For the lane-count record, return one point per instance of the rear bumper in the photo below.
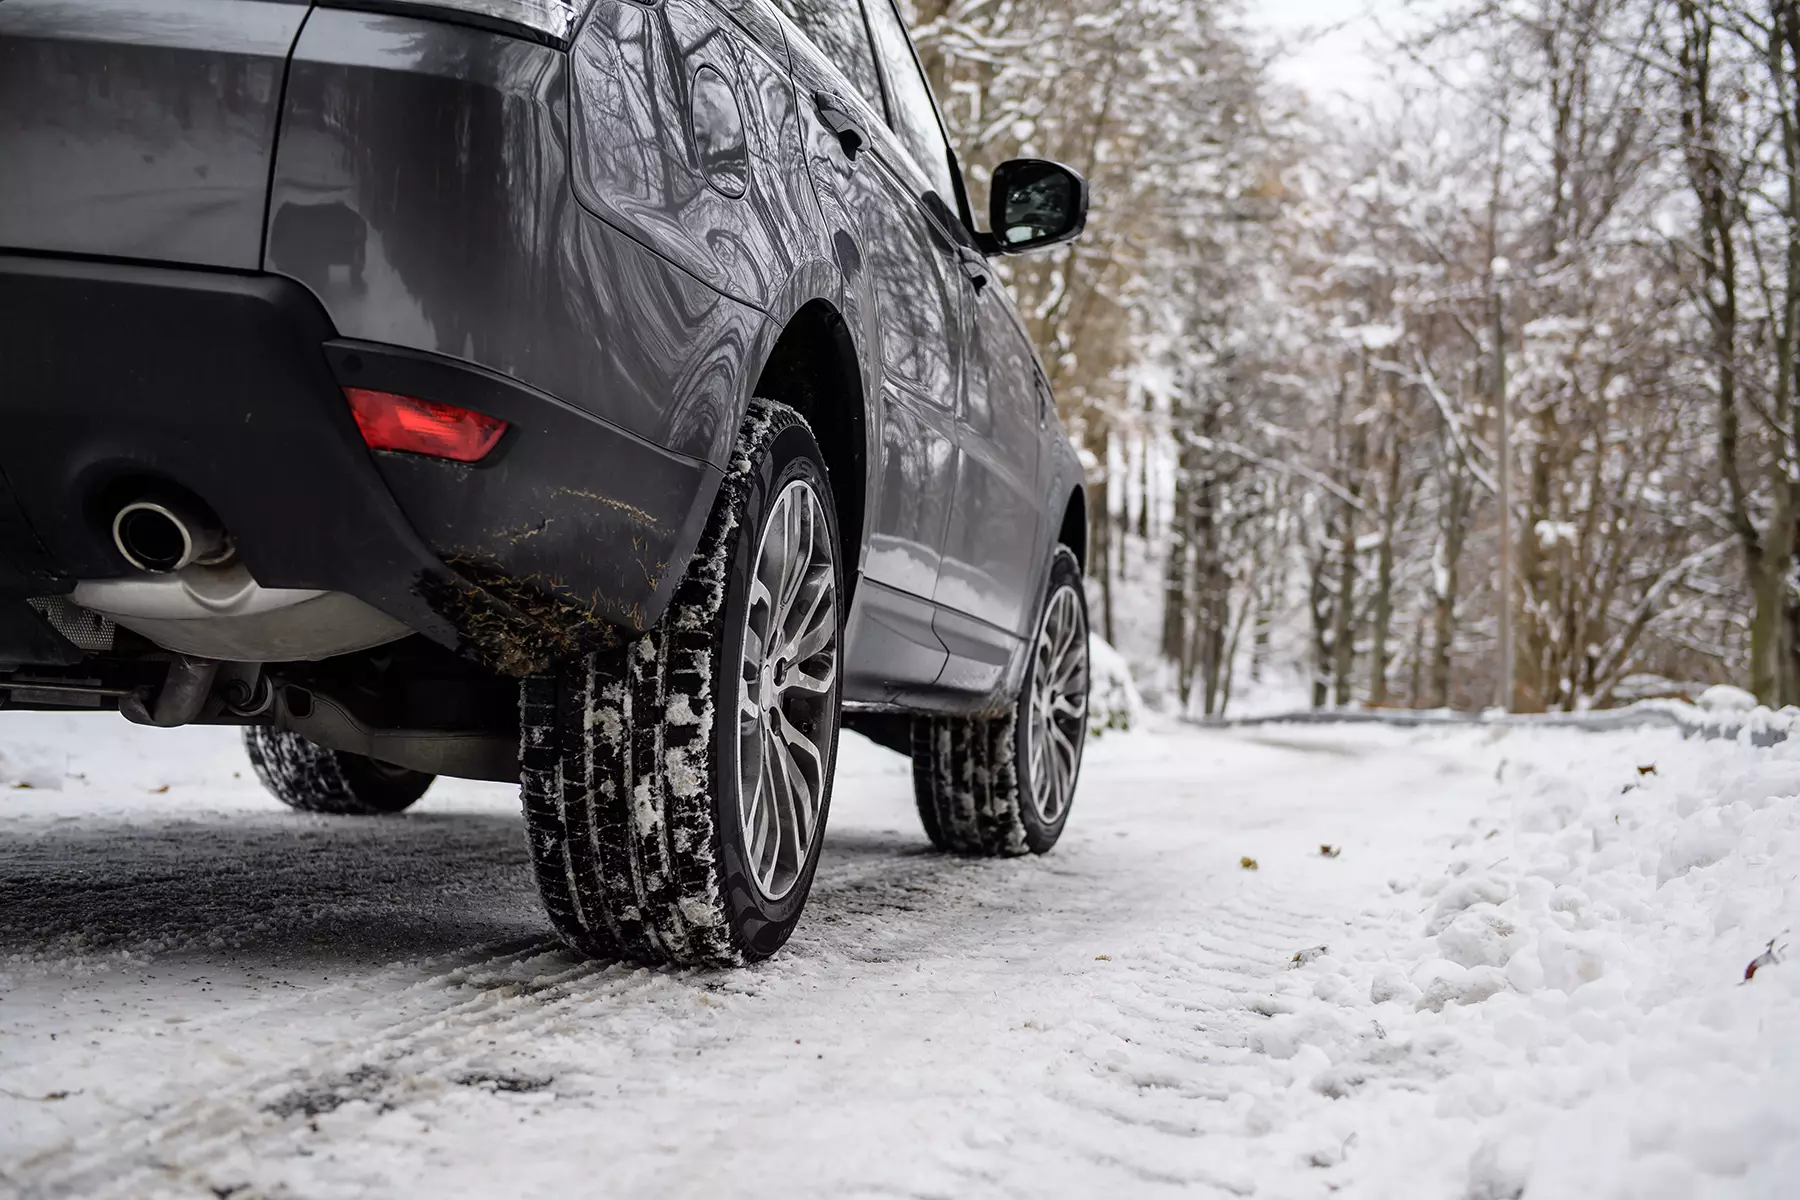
(115, 378)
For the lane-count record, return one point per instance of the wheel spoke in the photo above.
(1044, 789)
(817, 623)
(795, 799)
(815, 685)
(763, 589)
(763, 802)
(801, 749)
(793, 564)
(1039, 750)
(1071, 675)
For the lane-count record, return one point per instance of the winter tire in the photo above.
(676, 789)
(1002, 786)
(314, 779)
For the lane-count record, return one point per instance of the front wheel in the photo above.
(676, 789)
(1002, 786)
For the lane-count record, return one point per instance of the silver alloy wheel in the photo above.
(786, 689)
(1057, 724)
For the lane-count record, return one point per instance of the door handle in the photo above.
(837, 118)
(974, 267)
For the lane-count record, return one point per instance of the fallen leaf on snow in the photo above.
(1330, 851)
(1248, 863)
(1102, 958)
(1767, 958)
(47, 1097)
(157, 791)
(1649, 770)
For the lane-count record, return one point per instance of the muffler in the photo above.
(161, 536)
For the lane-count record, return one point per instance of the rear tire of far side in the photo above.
(1000, 787)
(313, 779)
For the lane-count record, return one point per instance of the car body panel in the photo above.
(729, 207)
(896, 265)
(994, 543)
(420, 192)
(893, 654)
(141, 128)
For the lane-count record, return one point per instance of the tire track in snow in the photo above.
(178, 1142)
(194, 1144)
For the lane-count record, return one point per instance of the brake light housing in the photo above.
(390, 421)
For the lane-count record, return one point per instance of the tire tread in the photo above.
(618, 771)
(312, 779)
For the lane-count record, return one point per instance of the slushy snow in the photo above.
(1470, 963)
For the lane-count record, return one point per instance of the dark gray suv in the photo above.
(611, 396)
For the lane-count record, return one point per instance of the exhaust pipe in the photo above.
(166, 535)
(184, 694)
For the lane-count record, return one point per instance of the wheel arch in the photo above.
(813, 368)
(1073, 532)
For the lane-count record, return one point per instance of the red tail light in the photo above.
(391, 422)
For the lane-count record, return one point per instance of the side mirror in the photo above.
(1034, 203)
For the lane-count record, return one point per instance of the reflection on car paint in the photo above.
(111, 144)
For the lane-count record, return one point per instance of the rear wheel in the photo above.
(676, 789)
(1002, 786)
(314, 779)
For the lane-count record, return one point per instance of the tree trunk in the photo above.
(1343, 628)
(1319, 605)
(1533, 582)
(1143, 518)
(1175, 570)
(1415, 664)
(1384, 582)
(1100, 525)
(1443, 616)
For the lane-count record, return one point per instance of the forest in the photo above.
(1481, 394)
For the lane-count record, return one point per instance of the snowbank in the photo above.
(1573, 994)
(1113, 699)
(1721, 713)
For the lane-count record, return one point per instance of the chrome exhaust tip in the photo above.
(160, 537)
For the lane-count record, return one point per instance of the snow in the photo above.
(1722, 697)
(1113, 699)
(1522, 971)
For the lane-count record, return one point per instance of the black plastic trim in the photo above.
(450, 15)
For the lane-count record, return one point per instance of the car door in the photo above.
(900, 255)
(993, 547)
(986, 576)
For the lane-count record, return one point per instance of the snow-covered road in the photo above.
(1523, 967)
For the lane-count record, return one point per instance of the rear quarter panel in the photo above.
(422, 193)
